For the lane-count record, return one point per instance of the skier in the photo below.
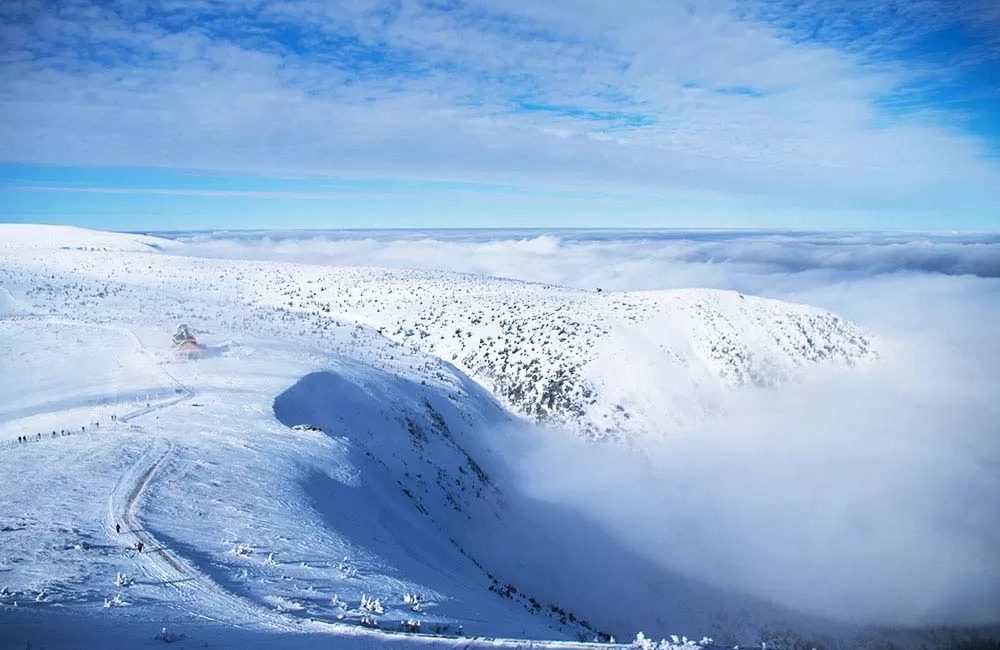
(138, 546)
(118, 528)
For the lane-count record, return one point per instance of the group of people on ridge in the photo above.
(61, 432)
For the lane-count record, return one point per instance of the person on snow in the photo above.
(118, 528)
(138, 546)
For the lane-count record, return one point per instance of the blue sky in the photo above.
(442, 113)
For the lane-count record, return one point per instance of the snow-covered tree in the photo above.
(675, 643)
(117, 601)
(373, 605)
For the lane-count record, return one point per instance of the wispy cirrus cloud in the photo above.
(788, 101)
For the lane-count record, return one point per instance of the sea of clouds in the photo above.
(872, 497)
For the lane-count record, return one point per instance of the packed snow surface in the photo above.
(327, 466)
(9, 306)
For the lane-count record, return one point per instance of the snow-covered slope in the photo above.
(610, 365)
(9, 306)
(30, 236)
(400, 496)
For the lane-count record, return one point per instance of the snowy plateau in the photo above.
(332, 467)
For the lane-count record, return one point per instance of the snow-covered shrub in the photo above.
(410, 625)
(117, 601)
(369, 621)
(642, 643)
(675, 643)
(340, 605)
(373, 605)
(283, 604)
(124, 580)
(241, 550)
(168, 637)
(270, 560)
(346, 570)
(413, 600)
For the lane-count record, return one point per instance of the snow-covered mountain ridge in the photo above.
(611, 365)
(573, 357)
(595, 361)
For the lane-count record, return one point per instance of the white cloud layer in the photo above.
(871, 497)
(718, 98)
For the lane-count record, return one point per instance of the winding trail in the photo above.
(197, 594)
(194, 591)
